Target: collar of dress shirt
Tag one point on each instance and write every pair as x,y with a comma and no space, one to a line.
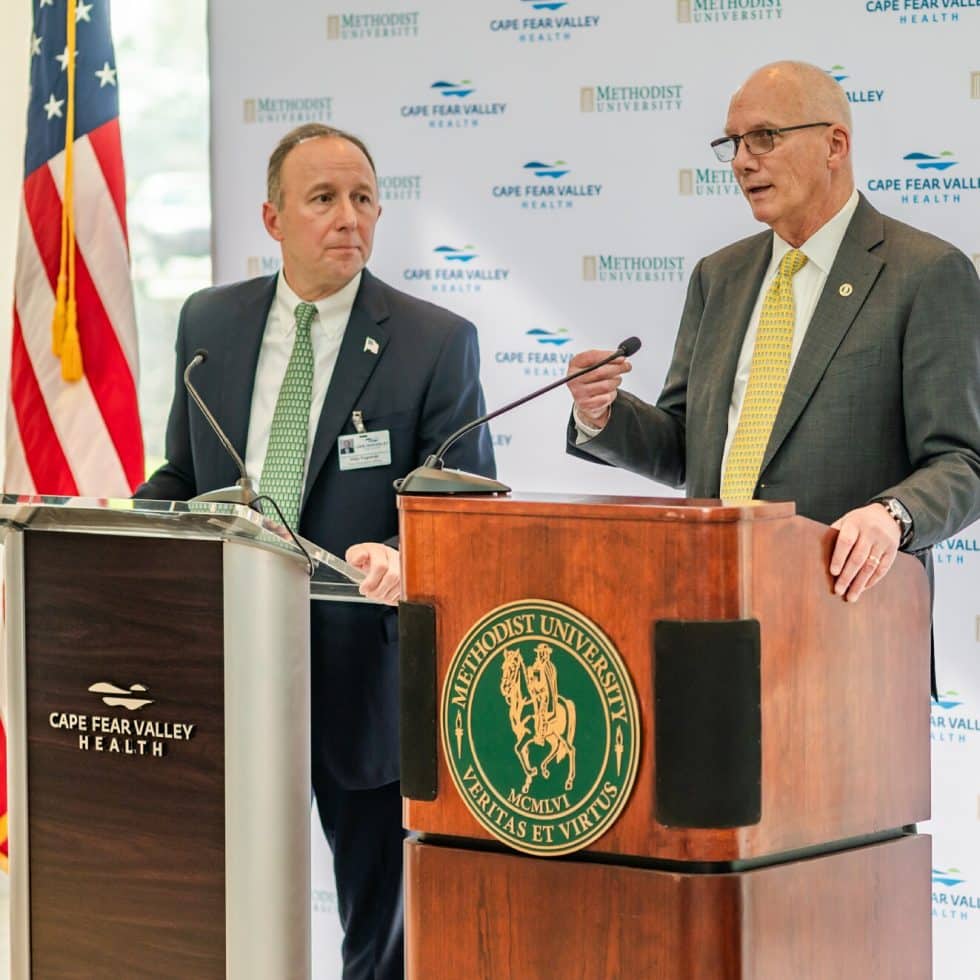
822,246
332,309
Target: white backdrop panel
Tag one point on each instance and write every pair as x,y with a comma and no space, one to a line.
614,103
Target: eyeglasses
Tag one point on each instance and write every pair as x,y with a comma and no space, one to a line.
757,142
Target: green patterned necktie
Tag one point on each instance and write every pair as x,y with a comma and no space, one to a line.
285,458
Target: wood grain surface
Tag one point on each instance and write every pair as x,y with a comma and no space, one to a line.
126,850
857,915
845,686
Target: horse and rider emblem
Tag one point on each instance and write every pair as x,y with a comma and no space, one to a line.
540,727
538,714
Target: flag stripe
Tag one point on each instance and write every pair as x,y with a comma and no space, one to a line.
101,240
82,435
17,474
34,424
106,143
107,372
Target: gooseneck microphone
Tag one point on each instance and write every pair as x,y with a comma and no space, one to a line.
244,491
433,478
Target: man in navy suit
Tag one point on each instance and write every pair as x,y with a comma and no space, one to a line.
386,378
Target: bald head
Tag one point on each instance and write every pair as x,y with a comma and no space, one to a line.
805,176
809,89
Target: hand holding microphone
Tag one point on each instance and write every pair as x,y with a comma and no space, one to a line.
595,392
433,478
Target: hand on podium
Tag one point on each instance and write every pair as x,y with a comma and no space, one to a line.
865,550
382,568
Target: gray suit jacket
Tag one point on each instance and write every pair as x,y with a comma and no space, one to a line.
883,399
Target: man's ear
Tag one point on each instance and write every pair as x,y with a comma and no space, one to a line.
270,218
840,147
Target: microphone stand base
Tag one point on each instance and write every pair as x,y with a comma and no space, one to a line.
237,494
437,482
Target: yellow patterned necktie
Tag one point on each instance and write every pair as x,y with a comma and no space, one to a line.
767,382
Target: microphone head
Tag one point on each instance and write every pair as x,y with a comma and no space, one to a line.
203,354
630,346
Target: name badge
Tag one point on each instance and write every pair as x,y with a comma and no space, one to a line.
362,450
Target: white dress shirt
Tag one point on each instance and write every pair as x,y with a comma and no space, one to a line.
326,334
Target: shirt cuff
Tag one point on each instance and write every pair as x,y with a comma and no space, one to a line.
583,431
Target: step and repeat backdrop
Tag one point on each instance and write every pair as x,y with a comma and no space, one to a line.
545,171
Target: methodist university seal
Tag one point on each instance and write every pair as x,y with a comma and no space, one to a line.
540,727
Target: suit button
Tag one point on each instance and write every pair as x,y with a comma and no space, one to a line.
762,486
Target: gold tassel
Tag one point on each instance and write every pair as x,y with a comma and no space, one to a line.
58,320
71,349
67,344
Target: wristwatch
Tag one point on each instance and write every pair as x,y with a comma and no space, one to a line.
900,515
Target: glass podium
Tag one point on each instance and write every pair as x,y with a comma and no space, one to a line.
158,666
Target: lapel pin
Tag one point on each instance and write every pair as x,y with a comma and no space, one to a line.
370,345
846,289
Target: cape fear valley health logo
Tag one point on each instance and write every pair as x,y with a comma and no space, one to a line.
547,187
119,733
953,721
927,180
540,727
633,268
359,27
952,895
856,96
543,353
707,182
456,270
288,109
631,97
915,12
453,106
544,21
728,11
932,161
957,551
557,338
123,697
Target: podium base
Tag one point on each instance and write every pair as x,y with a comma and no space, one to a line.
862,913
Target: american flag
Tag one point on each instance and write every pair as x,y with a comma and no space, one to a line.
73,437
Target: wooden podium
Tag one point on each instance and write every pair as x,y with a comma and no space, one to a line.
783,749
158,741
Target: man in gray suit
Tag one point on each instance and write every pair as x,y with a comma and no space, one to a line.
875,412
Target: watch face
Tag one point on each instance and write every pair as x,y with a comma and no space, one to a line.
901,514
898,513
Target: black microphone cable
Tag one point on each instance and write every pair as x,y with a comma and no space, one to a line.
292,534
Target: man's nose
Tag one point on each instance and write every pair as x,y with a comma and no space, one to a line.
347,214
743,160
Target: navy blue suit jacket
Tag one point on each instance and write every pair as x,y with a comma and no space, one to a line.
422,384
